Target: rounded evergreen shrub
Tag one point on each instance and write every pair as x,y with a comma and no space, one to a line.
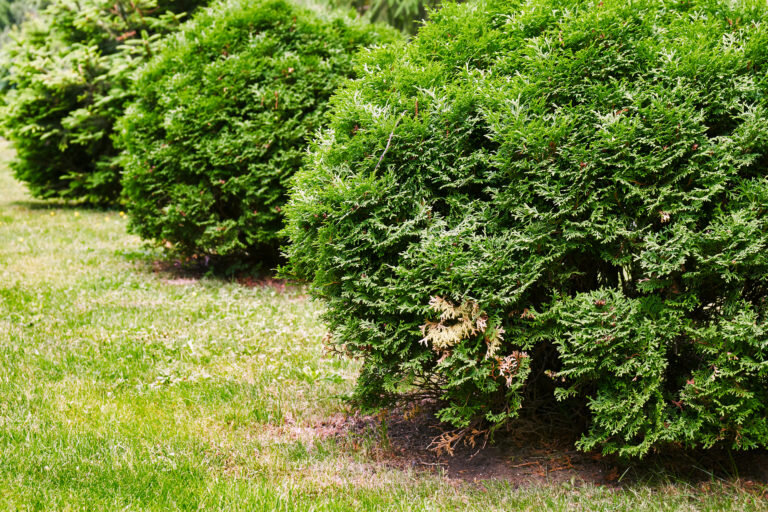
221,121
554,194
68,72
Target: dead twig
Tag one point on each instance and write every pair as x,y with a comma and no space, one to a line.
389,141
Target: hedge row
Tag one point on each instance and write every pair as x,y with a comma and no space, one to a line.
193,109
564,197
67,77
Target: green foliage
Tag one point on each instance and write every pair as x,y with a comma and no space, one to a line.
221,119
13,11
406,15
69,73
555,193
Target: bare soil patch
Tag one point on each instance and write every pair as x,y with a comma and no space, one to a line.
532,453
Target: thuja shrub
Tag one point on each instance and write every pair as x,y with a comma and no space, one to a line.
68,79
221,120
554,194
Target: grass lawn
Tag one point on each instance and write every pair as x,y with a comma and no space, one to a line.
122,388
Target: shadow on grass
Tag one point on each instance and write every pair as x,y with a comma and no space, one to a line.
59,204
175,270
535,451
700,468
